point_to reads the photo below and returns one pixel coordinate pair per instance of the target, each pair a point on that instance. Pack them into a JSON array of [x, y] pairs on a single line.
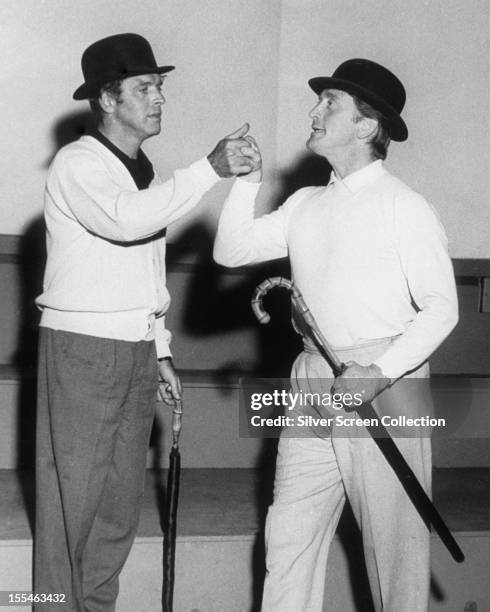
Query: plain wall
[[226, 58], [440, 50], [249, 61]]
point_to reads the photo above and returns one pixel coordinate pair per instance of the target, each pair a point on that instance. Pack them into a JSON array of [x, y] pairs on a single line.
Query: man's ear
[[366, 127], [107, 102]]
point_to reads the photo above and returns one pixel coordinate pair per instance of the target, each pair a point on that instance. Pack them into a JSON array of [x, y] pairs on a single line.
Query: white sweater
[[368, 254], [105, 274]]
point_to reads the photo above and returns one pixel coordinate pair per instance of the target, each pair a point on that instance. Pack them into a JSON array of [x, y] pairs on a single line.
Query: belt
[[310, 347]]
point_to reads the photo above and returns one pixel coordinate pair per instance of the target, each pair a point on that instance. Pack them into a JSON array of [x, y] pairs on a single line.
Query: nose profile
[[313, 112]]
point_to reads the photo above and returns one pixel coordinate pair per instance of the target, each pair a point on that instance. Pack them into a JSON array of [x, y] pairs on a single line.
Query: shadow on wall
[[219, 299], [32, 249], [32, 260], [219, 302], [221, 306], [68, 129], [309, 170]]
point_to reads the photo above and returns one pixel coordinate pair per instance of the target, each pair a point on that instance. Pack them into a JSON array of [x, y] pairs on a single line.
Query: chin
[[311, 145], [155, 131]]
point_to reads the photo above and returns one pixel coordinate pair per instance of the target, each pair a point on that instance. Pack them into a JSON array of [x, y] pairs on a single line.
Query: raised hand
[[235, 154], [253, 153]]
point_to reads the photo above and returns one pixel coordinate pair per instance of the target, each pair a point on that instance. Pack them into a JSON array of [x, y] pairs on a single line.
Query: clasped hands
[[237, 155], [366, 381]]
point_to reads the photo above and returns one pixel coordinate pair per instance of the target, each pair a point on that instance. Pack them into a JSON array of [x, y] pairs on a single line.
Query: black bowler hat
[[373, 84], [116, 57]]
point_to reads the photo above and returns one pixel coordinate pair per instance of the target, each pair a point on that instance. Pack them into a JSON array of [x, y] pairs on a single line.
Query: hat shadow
[[69, 128], [309, 170]]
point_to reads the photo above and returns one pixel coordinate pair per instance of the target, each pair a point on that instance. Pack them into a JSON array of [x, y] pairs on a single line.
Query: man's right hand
[[234, 155]]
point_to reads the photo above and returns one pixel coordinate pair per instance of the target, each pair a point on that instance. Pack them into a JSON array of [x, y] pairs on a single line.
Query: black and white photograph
[[245, 306]]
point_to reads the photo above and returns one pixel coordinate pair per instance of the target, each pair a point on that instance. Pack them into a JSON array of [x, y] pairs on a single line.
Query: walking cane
[[380, 435], [170, 519]]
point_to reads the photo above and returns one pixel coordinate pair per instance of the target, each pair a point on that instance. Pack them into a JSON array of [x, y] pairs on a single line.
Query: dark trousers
[[96, 403]]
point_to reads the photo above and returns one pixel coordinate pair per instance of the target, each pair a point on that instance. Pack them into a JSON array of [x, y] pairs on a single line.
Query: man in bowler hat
[[104, 346], [370, 257]]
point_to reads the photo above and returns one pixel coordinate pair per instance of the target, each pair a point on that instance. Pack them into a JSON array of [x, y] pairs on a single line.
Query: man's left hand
[[170, 387], [367, 381]]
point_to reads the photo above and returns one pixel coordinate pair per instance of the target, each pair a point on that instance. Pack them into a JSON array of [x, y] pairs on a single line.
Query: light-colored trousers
[[317, 468]]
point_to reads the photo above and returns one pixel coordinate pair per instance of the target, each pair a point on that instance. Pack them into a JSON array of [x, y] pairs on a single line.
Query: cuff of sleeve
[[204, 173], [389, 367], [162, 339], [163, 348], [245, 188]]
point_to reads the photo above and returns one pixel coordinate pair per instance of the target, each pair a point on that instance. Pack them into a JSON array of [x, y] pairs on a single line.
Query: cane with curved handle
[[378, 432], [170, 518], [302, 309]]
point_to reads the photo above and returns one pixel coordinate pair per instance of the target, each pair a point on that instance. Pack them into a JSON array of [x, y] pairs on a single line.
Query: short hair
[[113, 88], [381, 139]]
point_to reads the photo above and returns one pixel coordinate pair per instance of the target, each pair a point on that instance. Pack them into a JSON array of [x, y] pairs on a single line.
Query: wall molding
[[466, 270]]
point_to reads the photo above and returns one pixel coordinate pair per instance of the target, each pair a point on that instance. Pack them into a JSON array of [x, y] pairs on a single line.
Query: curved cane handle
[[302, 310], [261, 290]]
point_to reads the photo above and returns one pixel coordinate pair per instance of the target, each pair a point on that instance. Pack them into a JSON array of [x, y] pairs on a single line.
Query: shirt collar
[[357, 180]]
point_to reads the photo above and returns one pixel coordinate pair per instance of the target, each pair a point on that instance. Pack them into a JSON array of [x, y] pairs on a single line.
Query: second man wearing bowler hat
[[369, 256], [103, 341]]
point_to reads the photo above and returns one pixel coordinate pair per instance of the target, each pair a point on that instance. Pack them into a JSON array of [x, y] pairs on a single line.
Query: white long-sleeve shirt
[[105, 271], [368, 254]]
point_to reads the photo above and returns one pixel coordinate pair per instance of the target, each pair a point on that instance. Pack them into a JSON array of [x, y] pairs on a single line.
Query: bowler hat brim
[[91, 89], [397, 127]]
